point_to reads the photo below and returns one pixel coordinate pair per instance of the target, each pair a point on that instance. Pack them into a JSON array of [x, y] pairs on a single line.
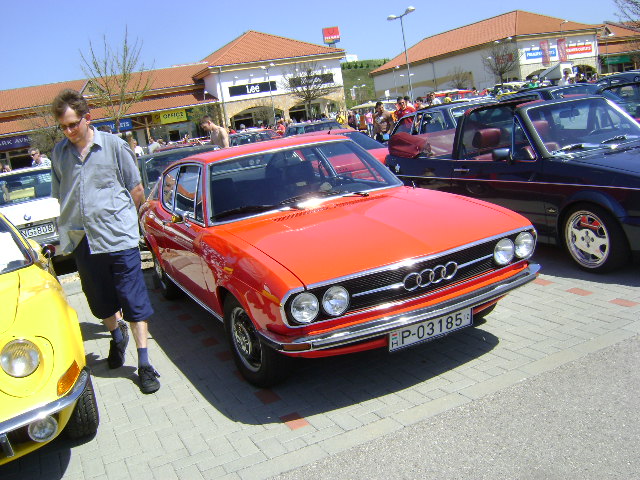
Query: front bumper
[[52, 408], [385, 325]]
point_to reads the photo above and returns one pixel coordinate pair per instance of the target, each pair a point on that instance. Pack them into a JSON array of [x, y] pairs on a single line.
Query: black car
[[252, 136], [622, 77], [625, 94], [152, 165], [550, 93], [298, 128], [571, 166]]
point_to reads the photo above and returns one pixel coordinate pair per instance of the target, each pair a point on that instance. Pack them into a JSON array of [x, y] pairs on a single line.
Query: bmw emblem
[[27, 217]]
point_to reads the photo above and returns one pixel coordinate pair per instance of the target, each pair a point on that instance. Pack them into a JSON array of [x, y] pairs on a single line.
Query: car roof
[[25, 170], [315, 122], [333, 131], [258, 147], [186, 149]]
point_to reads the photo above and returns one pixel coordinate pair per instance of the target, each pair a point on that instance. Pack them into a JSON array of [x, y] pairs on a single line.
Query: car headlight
[[20, 358], [305, 308], [524, 245], [335, 301], [503, 252]]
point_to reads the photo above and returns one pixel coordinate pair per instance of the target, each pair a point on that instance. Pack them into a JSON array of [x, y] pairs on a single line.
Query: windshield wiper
[[575, 146], [615, 139], [245, 209]]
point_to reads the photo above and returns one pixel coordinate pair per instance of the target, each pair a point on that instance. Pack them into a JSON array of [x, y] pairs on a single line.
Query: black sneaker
[[148, 379], [117, 350]]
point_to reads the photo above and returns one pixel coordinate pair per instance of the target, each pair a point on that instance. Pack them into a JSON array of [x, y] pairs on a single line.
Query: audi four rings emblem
[[430, 276]]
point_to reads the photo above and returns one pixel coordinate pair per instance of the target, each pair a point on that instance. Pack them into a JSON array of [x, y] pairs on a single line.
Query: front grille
[[386, 285]]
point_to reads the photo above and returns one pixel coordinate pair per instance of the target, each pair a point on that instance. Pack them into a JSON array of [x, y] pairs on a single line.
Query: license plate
[[38, 230], [421, 332]]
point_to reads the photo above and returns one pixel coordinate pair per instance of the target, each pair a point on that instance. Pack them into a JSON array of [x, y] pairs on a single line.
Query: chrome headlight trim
[[305, 308], [335, 300], [503, 252], [524, 245], [20, 358]]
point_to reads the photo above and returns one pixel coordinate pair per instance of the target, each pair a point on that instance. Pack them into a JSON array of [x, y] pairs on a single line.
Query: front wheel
[[258, 363], [594, 239], [169, 290], [85, 418]]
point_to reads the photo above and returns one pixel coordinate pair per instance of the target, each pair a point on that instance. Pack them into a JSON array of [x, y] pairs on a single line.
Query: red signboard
[[576, 49], [544, 46], [331, 35], [562, 49]]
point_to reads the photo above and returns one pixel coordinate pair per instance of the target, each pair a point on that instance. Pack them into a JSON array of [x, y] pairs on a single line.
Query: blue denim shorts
[[113, 281]]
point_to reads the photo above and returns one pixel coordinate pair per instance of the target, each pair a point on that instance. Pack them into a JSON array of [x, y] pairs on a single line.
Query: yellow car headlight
[[20, 358]]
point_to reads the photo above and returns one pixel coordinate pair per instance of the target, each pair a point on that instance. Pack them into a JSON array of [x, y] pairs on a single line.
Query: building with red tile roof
[[243, 80], [536, 42]]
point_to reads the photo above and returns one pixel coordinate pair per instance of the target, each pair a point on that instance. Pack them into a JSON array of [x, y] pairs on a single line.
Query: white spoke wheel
[[260, 364], [594, 239]]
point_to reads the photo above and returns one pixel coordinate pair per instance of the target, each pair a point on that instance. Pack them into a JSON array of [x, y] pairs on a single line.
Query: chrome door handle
[[461, 170]]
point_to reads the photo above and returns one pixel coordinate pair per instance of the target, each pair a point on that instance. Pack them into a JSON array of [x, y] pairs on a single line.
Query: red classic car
[[309, 247]]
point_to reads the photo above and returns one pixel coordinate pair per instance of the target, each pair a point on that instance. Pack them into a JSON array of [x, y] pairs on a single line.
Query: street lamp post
[[395, 85], [404, 42], [410, 75], [606, 48], [273, 107]]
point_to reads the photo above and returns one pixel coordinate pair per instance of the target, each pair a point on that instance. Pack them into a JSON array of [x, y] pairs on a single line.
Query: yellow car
[[45, 386]]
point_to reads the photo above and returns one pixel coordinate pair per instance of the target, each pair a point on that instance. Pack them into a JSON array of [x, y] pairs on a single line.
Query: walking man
[[95, 179], [219, 135]]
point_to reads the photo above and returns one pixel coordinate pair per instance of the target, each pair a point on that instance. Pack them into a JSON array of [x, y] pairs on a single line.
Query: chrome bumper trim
[[385, 325], [48, 409]]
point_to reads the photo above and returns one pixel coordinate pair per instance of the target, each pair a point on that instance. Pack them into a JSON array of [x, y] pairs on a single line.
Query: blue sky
[[41, 40]]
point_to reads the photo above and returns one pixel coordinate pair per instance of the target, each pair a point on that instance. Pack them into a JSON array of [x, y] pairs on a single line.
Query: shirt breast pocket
[[104, 177]]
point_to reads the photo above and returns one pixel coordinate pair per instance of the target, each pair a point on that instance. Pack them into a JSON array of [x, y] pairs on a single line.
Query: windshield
[[155, 165], [581, 124], [287, 178], [18, 187], [13, 254], [363, 140]]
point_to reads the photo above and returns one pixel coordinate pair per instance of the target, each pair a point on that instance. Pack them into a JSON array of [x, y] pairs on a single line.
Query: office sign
[[171, 116], [251, 88]]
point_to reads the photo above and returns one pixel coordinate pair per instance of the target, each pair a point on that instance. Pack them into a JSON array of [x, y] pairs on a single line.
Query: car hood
[[623, 160], [32, 211], [354, 234]]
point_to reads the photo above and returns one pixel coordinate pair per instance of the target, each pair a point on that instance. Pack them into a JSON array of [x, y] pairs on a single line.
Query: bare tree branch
[[117, 79], [503, 58], [307, 82], [460, 78], [629, 12]]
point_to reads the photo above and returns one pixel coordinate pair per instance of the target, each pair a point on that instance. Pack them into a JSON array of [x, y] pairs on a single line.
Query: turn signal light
[[68, 379]]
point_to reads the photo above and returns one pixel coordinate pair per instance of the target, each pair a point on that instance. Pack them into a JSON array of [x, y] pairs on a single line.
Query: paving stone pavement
[[206, 422]]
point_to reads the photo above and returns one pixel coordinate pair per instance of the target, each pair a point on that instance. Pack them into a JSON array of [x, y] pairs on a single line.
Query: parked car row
[[569, 165]]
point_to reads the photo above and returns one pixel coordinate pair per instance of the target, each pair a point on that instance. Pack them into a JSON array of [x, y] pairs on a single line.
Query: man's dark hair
[[419, 99], [72, 99], [378, 104], [399, 99], [205, 119], [407, 98]]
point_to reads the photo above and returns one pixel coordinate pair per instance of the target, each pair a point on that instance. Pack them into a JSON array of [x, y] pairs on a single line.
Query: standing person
[[219, 135], [368, 118], [96, 180], [382, 123], [38, 159], [153, 145], [447, 98], [404, 109], [6, 168], [137, 149], [419, 103]]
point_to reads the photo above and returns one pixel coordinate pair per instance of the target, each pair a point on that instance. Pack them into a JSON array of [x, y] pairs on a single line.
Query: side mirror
[[501, 155], [48, 251]]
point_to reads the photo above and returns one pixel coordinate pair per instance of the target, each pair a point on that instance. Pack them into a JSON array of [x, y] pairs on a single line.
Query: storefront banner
[[125, 124], [535, 54], [562, 49], [173, 116], [544, 46], [9, 143]]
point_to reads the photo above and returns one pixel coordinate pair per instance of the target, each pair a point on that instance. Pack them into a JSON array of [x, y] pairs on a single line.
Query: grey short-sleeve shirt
[[94, 194]]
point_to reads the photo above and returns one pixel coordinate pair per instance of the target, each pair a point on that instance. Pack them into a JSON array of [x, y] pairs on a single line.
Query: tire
[[84, 419], [594, 239], [258, 363], [169, 290], [480, 318]]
